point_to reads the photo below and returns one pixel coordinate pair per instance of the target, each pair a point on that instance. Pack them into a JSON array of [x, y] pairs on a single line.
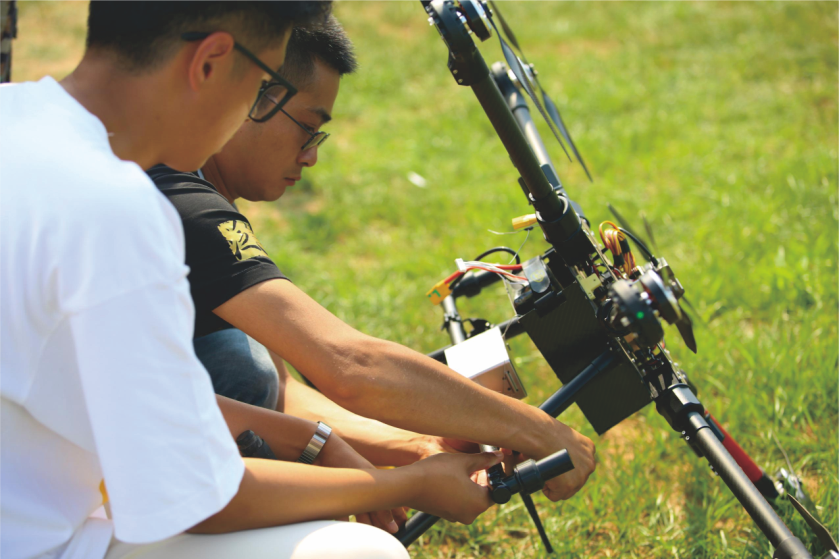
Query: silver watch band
[[319, 439]]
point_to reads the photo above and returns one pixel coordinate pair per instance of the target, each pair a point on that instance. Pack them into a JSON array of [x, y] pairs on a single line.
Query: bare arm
[[398, 386], [275, 493], [269, 488], [287, 436], [382, 444]]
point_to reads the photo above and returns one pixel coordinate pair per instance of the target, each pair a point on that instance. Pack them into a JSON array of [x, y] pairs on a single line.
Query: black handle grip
[[415, 527], [530, 476], [535, 475], [557, 464]]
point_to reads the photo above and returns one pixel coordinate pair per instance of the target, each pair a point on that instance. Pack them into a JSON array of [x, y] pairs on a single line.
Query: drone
[[595, 313]]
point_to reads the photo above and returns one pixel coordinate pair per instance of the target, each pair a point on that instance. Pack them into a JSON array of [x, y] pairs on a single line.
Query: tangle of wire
[[503, 270], [616, 241], [514, 254]]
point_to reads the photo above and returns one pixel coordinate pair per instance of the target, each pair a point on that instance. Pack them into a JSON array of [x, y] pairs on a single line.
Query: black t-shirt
[[224, 256]]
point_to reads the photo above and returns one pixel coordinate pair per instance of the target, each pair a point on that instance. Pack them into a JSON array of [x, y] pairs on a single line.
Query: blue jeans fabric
[[240, 367]]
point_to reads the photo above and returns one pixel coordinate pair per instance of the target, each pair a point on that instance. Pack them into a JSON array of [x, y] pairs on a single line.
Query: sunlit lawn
[[718, 120]]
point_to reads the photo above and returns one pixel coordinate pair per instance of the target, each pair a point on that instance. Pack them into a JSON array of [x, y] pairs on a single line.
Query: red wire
[[502, 267], [453, 276]]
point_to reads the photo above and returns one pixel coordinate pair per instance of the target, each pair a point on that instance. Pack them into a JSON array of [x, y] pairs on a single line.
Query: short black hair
[[142, 34], [327, 42]]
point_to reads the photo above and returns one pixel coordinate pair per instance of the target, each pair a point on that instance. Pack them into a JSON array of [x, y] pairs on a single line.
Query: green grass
[[719, 121]]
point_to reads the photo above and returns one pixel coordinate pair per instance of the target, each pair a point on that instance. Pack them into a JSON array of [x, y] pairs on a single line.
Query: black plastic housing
[[570, 337]]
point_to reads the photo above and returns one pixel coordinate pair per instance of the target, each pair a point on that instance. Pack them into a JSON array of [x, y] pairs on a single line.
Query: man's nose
[[308, 157]]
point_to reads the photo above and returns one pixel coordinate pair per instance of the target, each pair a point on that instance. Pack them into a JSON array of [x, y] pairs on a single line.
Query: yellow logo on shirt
[[241, 239]]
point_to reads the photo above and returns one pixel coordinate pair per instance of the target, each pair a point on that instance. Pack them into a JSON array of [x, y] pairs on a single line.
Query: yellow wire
[[612, 239]]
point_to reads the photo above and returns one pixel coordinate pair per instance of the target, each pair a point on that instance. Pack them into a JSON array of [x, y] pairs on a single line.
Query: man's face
[[263, 159], [222, 105]]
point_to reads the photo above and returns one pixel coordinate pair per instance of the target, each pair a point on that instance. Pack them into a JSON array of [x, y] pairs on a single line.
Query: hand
[[582, 452], [445, 488], [336, 453], [580, 448], [430, 445], [436, 445]]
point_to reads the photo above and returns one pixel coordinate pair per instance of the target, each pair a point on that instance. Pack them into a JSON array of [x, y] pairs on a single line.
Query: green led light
[[640, 315]]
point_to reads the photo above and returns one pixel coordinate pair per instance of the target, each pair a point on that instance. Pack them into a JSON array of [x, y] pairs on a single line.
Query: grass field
[[718, 120]]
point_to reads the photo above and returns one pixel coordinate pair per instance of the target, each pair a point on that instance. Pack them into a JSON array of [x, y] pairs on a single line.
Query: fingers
[[483, 460], [399, 515], [460, 446], [383, 519], [461, 499], [482, 502], [480, 477], [510, 462], [565, 486]]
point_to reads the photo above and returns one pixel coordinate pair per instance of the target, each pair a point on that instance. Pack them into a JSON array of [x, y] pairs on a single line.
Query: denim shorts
[[240, 367]]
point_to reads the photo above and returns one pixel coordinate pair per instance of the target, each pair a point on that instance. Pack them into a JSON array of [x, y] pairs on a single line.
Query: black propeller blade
[[649, 231], [691, 308], [621, 221], [550, 107], [558, 120], [684, 324], [508, 31], [516, 67], [686, 331], [683, 299]]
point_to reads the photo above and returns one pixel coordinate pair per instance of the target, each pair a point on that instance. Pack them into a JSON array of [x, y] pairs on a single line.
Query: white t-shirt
[[98, 378]]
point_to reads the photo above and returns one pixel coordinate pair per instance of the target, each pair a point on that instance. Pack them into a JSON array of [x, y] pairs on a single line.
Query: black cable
[[499, 249], [641, 245], [488, 252]]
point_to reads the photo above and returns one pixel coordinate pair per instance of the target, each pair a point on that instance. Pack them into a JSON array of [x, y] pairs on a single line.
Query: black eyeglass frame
[[276, 79], [320, 136]]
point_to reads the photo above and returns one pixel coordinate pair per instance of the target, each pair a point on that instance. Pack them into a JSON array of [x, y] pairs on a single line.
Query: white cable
[[505, 274]]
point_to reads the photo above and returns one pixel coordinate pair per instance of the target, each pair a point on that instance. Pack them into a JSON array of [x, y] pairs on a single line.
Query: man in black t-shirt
[[225, 258], [250, 318]]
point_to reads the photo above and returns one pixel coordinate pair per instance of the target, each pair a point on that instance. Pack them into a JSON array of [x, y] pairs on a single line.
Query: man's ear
[[213, 56]]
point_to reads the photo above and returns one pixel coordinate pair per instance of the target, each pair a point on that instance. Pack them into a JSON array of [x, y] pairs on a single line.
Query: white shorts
[[308, 540]]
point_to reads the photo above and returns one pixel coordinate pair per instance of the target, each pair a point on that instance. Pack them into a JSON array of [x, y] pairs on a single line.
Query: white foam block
[[485, 360]]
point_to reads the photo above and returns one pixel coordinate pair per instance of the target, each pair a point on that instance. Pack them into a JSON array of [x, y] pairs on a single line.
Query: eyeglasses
[[315, 138], [271, 96]]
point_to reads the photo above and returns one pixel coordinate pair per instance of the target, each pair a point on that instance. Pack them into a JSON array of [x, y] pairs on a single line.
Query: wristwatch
[[319, 439]]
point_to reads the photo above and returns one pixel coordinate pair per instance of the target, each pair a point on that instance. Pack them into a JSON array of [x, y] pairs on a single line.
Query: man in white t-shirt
[[99, 378]]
